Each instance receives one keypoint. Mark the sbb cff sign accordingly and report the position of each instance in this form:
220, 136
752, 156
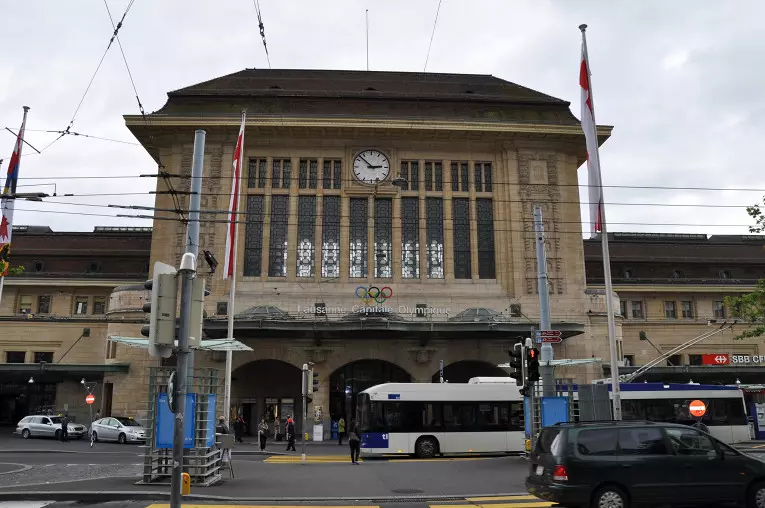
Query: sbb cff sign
747, 360
716, 359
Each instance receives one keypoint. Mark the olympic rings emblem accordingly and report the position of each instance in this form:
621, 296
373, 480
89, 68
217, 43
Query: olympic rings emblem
373, 294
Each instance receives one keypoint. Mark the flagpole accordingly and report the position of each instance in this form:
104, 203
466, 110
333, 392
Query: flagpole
232, 293
12, 189
615, 389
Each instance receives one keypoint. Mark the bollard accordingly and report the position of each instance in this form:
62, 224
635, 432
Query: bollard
185, 484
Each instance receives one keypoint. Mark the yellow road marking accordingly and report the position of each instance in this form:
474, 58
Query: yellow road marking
501, 498
539, 504
759, 446
184, 505
291, 459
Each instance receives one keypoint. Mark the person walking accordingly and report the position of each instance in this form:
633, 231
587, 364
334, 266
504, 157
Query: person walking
263, 434
65, 428
238, 429
221, 428
354, 441
340, 431
290, 435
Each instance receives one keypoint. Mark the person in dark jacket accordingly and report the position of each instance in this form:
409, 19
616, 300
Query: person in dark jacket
290, 435
65, 427
238, 429
354, 441
222, 428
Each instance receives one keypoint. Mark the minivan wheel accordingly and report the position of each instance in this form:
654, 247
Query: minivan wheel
756, 498
426, 447
610, 496
25, 433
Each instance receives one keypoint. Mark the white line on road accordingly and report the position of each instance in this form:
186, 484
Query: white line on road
25, 504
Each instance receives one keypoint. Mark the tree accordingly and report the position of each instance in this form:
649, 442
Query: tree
15, 271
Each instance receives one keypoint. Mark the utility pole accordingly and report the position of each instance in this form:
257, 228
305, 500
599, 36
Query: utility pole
548, 381
187, 271
305, 410
195, 200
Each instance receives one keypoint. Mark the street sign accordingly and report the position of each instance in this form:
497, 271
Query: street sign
552, 340
715, 359
90, 399
549, 336
697, 408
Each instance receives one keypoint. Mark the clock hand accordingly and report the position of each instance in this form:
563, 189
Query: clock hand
362, 158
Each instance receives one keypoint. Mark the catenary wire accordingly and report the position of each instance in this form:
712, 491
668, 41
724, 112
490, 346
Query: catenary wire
433, 33
262, 28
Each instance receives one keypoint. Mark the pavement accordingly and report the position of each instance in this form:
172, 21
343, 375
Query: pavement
48, 470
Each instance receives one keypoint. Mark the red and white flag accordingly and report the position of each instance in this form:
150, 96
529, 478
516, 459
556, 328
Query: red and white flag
233, 208
7, 205
595, 183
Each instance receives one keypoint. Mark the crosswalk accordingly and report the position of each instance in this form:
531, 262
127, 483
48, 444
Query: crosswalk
515, 501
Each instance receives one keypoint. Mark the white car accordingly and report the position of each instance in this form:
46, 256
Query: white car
118, 428
47, 426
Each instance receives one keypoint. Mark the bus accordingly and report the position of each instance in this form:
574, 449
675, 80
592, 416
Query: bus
725, 410
429, 419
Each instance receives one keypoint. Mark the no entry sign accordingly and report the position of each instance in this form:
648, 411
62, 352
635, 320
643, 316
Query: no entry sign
698, 408
90, 399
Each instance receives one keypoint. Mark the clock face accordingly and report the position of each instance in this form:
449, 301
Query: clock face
371, 166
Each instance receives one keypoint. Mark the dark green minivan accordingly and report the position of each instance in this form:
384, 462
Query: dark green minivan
620, 464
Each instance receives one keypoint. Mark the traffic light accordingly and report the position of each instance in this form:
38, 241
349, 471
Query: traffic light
198, 293
315, 381
162, 309
532, 365
517, 364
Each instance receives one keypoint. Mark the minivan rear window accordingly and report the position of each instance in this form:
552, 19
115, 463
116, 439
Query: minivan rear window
549, 441
600, 442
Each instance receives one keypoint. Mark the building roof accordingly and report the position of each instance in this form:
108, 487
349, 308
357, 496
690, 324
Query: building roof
366, 84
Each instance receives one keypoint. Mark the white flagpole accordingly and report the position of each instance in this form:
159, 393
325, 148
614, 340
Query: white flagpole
232, 293
615, 389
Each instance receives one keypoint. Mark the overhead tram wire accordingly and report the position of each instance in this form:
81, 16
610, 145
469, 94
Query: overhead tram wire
432, 34
262, 28
161, 166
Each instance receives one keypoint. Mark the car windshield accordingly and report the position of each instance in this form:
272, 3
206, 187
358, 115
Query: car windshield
128, 422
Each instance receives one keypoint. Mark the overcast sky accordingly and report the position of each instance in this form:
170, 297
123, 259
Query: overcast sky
680, 81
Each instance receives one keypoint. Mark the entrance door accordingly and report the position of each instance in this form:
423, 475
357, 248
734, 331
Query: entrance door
108, 395
272, 415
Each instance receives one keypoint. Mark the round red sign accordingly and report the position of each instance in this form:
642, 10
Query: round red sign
697, 408
90, 399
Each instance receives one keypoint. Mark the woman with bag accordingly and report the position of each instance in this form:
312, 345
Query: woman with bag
262, 434
354, 441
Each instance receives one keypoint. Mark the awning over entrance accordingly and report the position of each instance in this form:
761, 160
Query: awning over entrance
703, 374
57, 372
210, 345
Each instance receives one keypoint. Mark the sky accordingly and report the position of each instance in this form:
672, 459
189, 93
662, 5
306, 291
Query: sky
680, 81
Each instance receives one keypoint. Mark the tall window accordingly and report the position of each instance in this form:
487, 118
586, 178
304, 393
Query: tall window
434, 176
410, 238
461, 227
330, 237
718, 309
460, 177
256, 174
486, 263
383, 238
25, 304
43, 356
81, 305
306, 234
281, 173
43, 304
410, 171
670, 310
482, 176
253, 237
637, 309
687, 309
15, 356
359, 237
308, 174
99, 305
434, 232
277, 251
331, 174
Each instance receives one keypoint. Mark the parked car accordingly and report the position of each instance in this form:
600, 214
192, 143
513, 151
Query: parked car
47, 426
618, 464
118, 428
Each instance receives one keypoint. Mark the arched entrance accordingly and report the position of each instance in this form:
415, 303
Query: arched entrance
350, 379
463, 370
269, 389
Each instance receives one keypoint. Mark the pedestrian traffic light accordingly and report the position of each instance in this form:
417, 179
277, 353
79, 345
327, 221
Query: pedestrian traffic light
162, 309
517, 364
532, 365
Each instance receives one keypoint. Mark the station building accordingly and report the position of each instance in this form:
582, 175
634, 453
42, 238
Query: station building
387, 229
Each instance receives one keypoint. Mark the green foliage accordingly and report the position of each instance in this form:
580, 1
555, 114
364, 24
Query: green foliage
755, 212
751, 309
15, 271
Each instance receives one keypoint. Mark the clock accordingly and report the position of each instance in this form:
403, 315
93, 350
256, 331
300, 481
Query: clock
371, 166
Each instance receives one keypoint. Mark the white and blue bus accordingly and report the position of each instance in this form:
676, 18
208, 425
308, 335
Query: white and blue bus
427, 419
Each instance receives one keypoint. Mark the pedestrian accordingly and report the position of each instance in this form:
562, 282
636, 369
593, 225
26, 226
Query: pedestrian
290, 435
238, 429
354, 441
98, 415
221, 428
340, 431
262, 434
65, 428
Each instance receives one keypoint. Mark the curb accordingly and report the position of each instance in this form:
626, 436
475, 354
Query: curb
34, 450
149, 495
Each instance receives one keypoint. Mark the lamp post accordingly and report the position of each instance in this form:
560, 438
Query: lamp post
89, 387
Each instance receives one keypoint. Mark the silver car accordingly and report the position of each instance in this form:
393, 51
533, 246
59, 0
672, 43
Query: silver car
47, 426
118, 428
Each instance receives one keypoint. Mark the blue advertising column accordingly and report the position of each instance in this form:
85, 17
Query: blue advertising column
165, 420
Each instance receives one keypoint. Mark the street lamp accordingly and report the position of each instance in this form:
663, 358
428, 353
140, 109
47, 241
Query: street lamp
89, 387
31, 380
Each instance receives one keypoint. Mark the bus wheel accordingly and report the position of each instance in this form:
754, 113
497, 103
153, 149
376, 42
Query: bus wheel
426, 447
